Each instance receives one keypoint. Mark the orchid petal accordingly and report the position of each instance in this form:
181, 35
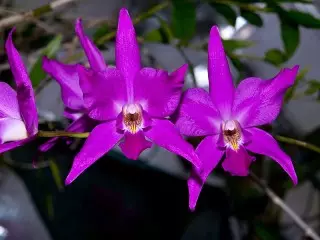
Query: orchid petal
11, 145
237, 163
9, 106
93, 54
258, 102
101, 139
127, 50
68, 79
221, 86
197, 115
104, 93
12, 130
167, 136
82, 124
134, 144
263, 143
158, 92
72, 114
26, 98
209, 156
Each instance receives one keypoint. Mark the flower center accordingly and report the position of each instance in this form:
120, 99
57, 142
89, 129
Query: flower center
132, 117
232, 134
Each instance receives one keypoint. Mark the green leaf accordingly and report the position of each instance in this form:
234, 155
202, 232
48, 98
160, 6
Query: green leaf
153, 36
275, 57
101, 31
252, 17
290, 37
36, 72
231, 45
304, 19
183, 19
314, 86
56, 175
226, 11
162, 34
291, 91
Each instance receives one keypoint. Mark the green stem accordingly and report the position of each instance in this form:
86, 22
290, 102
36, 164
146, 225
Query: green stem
298, 143
49, 134
136, 20
190, 65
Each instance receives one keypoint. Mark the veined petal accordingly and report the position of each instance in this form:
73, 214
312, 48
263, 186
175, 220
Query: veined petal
166, 135
11, 145
101, 139
221, 86
158, 92
72, 114
9, 106
237, 163
263, 143
209, 156
258, 102
127, 50
134, 144
12, 130
82, 124
104, 92
95, 58
68, 79
26, 98
197, 115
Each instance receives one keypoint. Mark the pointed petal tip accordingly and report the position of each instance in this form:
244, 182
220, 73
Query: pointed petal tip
9, 41
192, 208
214, 31
124, 12
124, 18
78, 25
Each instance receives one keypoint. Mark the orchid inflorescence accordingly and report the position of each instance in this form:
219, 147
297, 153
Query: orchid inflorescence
135, 106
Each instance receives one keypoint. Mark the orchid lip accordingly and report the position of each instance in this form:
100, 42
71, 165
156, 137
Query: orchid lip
132, 117
232, 134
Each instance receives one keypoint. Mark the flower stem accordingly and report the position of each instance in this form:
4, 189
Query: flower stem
17, 18
49, 134
298, 143
308, 231
136, 20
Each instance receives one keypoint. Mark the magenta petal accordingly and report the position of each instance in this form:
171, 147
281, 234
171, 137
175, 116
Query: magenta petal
93, 54
134, 144
104, 92
258, 102
72, 114
197, 116
127, 50
101, 139
220, 78
157, 91
9, 106
209, 156
26, 98
167, 136
263, 143
237, 163
68, 79
11, 145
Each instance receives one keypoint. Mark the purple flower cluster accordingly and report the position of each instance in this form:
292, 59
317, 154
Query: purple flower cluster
132, 106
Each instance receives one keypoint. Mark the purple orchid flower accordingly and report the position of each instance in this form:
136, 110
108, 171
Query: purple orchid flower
133, 103
18, 112
67, 77
228, 117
